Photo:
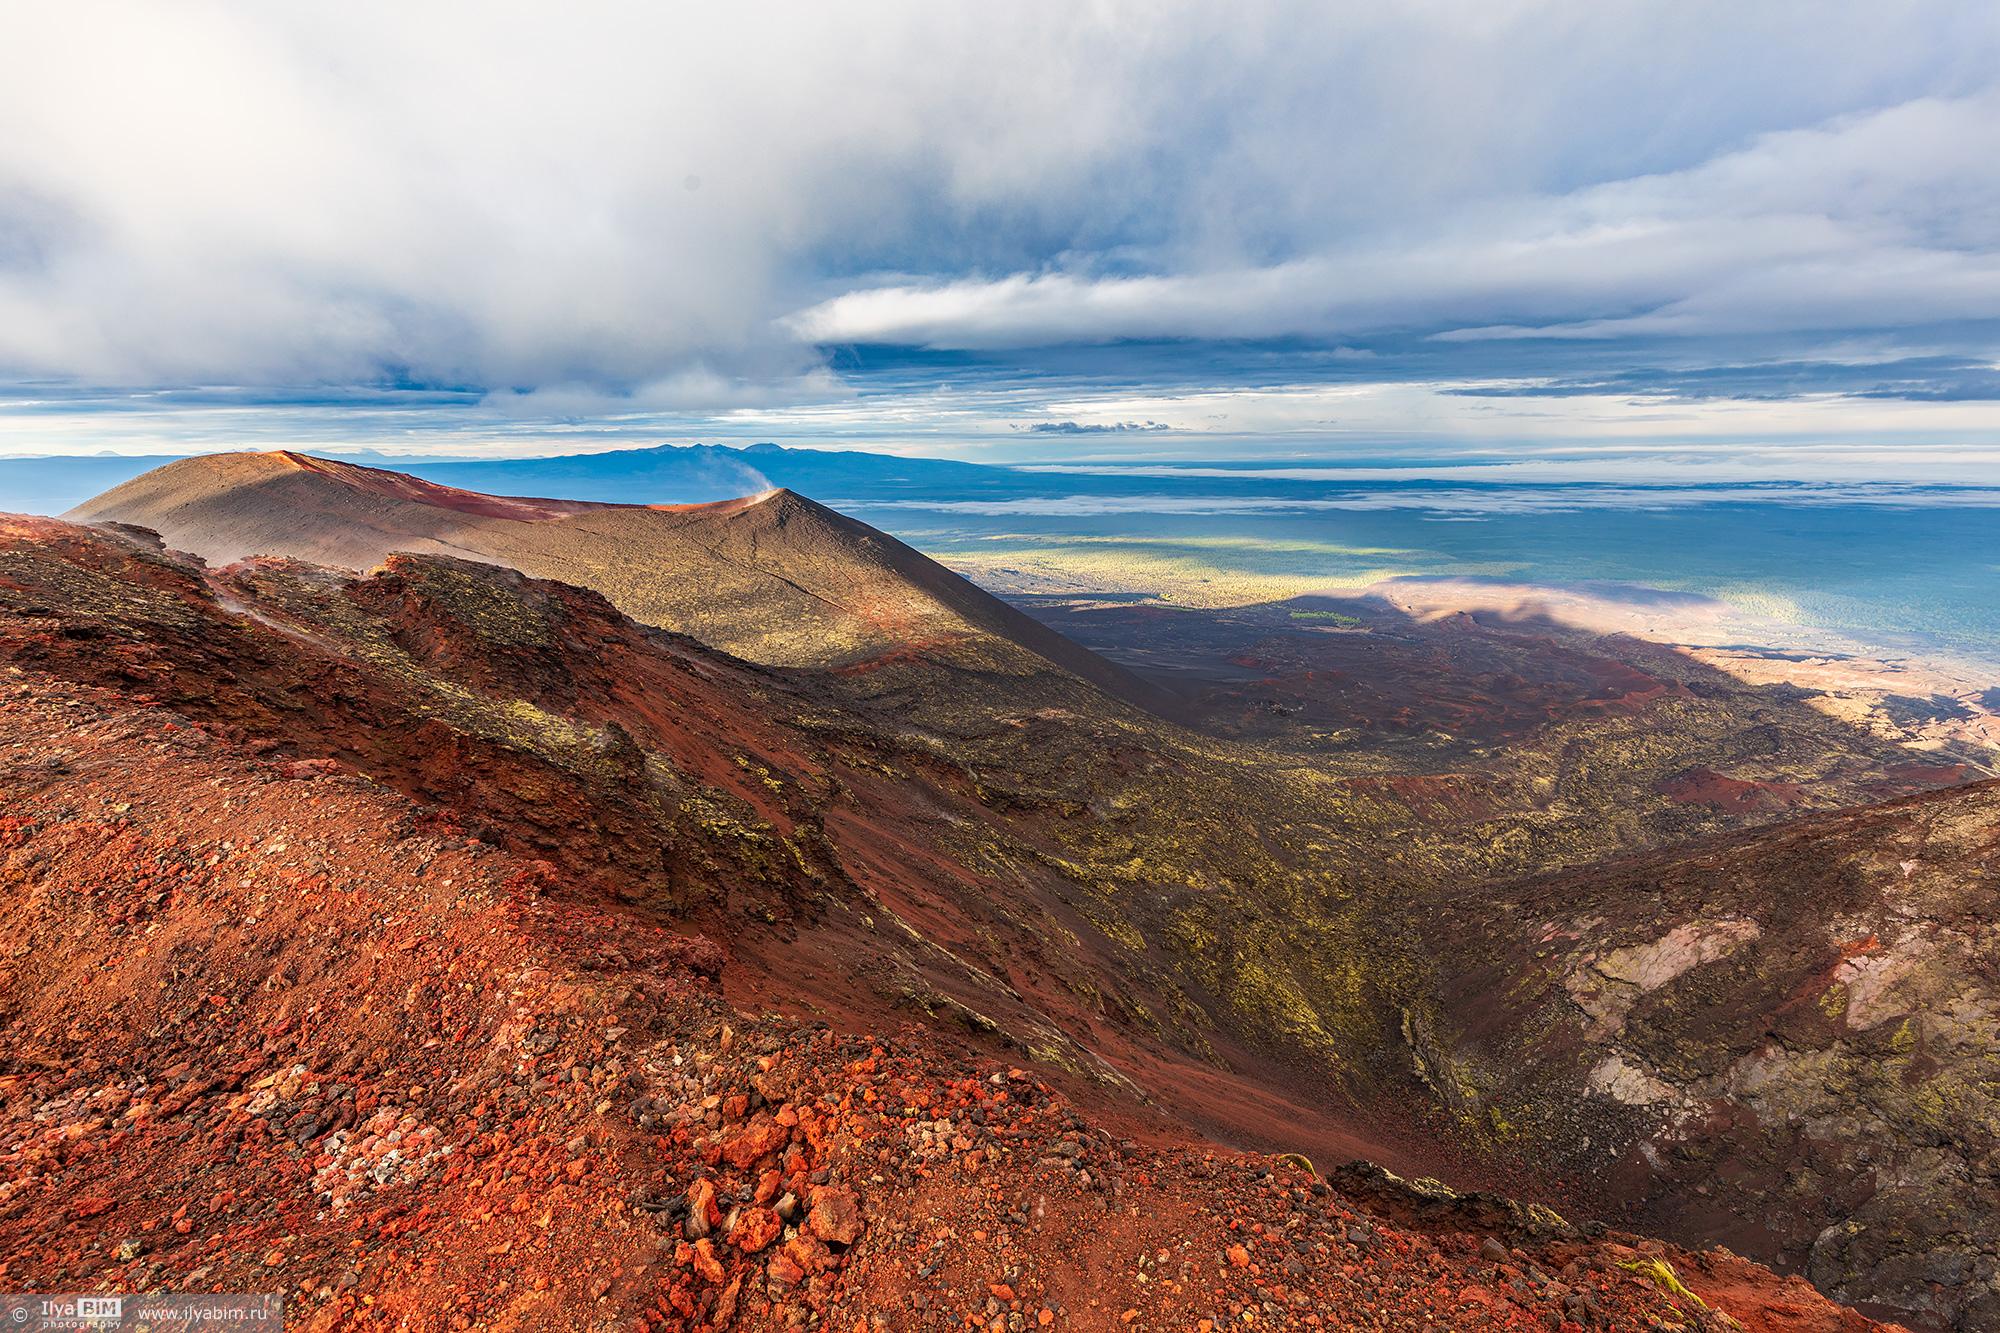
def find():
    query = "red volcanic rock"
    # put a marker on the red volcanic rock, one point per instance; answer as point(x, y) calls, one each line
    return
point(1717, 791)
point(703, 1214)
point(783, 1271)
point(809, 1253)
point(755, 1228)
point(835, 1215)
point(754, 1144)
point(707, 1265)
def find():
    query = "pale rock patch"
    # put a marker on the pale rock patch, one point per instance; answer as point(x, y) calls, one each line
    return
point(1607, 986)
point(1631, 1084)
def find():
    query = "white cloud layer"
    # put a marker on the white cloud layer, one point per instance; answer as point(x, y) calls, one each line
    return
point(1504, 499)
point(676, 205)
point(1884, 219)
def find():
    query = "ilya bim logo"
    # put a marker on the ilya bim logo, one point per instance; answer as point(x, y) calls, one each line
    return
point(22, 1313)
point(58, 1312)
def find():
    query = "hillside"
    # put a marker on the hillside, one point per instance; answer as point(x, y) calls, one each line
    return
point(438, 946)
point(1239, 933)
point(1787, 1038)
point(774, 578)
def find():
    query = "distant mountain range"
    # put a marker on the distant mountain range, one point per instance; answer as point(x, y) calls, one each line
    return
point(666, 474)
point(692, 474)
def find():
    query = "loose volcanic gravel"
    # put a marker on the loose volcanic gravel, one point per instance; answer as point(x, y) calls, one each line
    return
point(270, 1028)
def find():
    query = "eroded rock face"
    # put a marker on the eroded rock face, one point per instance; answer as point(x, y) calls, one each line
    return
point(1607, 987)
point(1814, 1046)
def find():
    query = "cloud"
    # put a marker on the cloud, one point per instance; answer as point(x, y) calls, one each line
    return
point(624, 202)
point(1922, 379)
point(1502, 499)
point(1092, 428)
point(1888, 219)
point(691, 388)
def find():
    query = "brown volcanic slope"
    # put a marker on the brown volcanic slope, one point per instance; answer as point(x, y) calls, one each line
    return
point(1788, 1039)
point(269, 1027)
point(849, 871)
point(1238, 933)
point(292, 1004)
point(1520, 742)
point(773, 578)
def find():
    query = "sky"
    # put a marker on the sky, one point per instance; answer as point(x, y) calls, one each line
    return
point(1679, 238)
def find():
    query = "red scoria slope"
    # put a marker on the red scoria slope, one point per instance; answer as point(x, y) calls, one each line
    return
point(268, 1025)
point(268, 1030)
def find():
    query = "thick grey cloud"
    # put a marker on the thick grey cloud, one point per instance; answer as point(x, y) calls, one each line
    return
point(1880, 219)
point(682, 204)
